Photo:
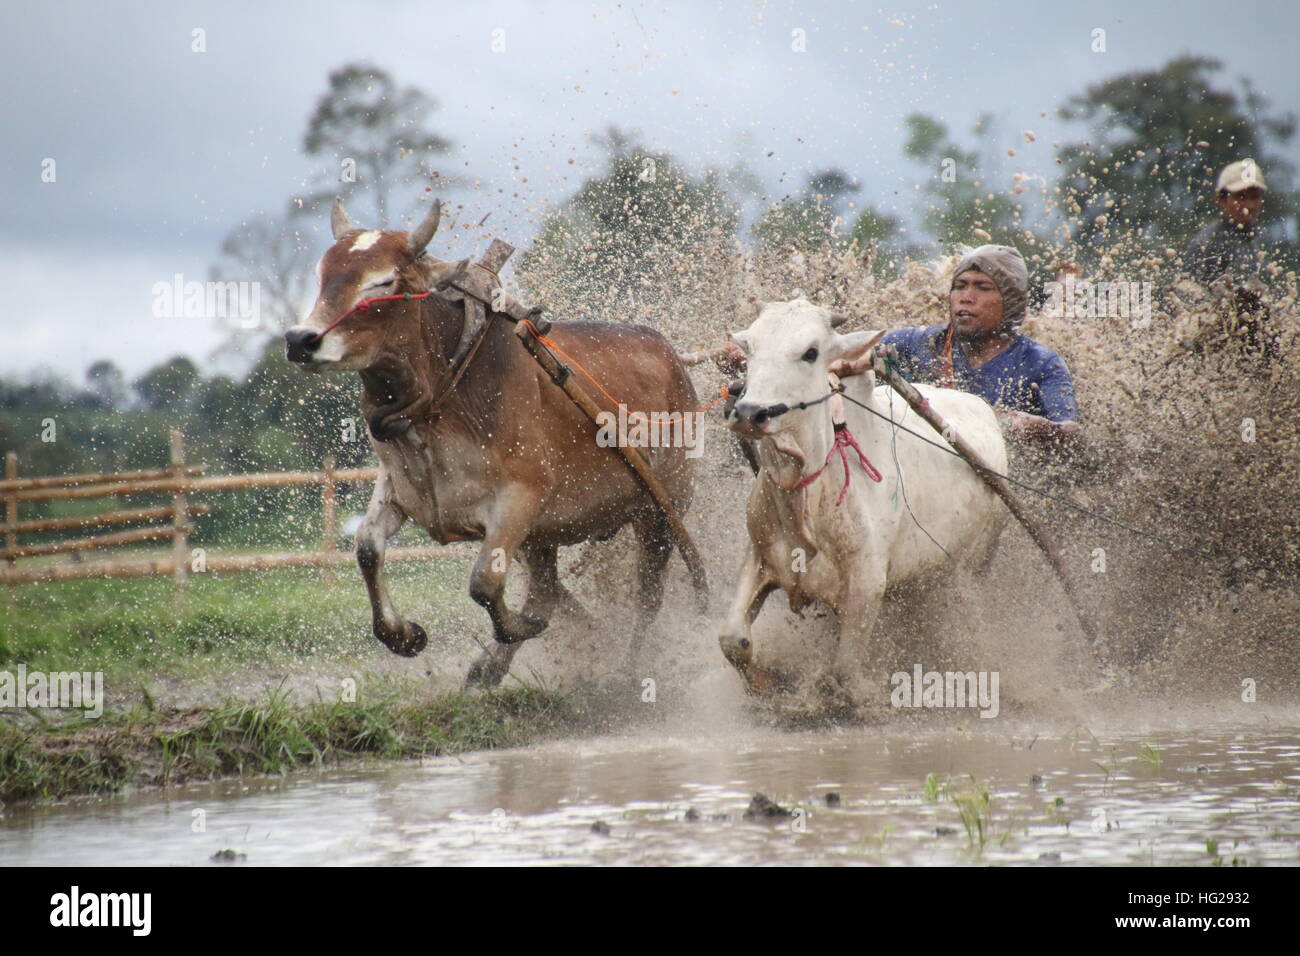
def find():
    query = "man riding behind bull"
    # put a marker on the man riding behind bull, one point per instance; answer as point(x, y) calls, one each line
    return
point(981, 350)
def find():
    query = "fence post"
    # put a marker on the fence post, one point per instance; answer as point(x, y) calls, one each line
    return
point(11, 517)
point(180, 518)
point(328, 509)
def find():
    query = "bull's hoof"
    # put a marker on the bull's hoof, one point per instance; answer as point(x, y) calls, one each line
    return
point(520, 628)
point(490, 668)
point(407, 641)
point(759, 681)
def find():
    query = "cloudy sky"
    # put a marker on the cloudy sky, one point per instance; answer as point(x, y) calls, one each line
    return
point(160, 151)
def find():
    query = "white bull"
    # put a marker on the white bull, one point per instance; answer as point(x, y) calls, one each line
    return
point(844, 555)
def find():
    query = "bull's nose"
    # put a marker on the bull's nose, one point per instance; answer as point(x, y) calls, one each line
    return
point(734, 391)
point(300, 345)
point(749, 413)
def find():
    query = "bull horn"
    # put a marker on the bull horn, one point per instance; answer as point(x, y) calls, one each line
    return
point(339, 221)
point(422, 233)
point(838, 319)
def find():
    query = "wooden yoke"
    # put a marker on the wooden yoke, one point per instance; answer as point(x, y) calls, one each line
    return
point(476, 287)
point(562, 376)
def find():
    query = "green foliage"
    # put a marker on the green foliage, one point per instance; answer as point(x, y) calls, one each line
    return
point(811, 219)
point(617, 246)
point(1151, 755)
point(957, 198)
point(168, 387)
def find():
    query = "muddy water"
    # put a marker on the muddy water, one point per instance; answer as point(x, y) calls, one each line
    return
point(1075, 796)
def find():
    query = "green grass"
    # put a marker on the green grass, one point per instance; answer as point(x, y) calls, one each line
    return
point(274, 737)
point(131, 627)
point(233, 626)
point(973, 804)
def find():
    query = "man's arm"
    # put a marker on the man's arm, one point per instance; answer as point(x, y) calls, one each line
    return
point(1060, 418)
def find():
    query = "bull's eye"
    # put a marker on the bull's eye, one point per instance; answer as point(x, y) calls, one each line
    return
point(810, 355)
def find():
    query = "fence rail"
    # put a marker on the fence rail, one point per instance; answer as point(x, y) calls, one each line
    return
point(179, 480)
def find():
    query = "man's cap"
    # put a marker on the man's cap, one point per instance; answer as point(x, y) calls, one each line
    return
point(1006, 267)
point(1243, 174)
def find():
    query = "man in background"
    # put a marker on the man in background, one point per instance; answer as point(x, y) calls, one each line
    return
point(1228, 247)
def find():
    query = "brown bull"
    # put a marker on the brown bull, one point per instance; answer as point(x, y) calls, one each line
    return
point(503, 457)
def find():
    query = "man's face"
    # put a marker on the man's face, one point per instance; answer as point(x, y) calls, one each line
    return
point(975, 305)
point(1242, 207)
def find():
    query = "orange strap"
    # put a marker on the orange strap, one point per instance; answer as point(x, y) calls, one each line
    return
point(722, 391)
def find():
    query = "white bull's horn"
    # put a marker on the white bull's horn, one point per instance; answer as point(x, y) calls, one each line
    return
point(339, 221)
point(422, 233)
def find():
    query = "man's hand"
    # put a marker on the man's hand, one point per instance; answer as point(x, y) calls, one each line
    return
point(1023, 425)
point(732, 358)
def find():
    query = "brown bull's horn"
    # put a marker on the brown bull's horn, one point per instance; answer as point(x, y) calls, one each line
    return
point(422, 233)
point(838, 319)
point(339, 221)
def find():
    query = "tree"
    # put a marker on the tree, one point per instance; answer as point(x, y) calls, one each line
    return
point(105, 382)
point(958, 200)
point(375, 133)
point(168, 386)
point(275, 254)
point(810, 219)
point(1157, 140)
point(619, 245)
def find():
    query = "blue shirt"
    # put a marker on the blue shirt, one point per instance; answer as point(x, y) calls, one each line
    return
point(1027, 377)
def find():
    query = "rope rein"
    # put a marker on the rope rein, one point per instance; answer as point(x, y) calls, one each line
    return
point(364, 306)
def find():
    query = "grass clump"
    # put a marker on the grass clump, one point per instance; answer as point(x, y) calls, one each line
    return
point(239, 738)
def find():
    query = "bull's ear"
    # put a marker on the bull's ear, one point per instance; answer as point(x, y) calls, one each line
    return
point(855, 345)
point(741, 339)
point(442, 274)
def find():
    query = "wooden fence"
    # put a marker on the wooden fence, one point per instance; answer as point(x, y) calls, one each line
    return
point(177, 481)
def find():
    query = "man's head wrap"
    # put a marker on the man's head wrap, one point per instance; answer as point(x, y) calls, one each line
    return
point(1005, 266)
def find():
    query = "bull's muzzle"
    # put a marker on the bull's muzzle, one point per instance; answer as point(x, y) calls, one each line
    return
point(753, 419)
point(300, 345)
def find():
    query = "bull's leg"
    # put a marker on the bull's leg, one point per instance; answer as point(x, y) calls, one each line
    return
point(382, 521)
point(515, 510)
point(543, 581)
point(545, 592)
point(858, 609)
point(752, 589)
point(656, 547)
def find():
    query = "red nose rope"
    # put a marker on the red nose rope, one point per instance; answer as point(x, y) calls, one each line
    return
point(843, 439)
point(364, 306)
